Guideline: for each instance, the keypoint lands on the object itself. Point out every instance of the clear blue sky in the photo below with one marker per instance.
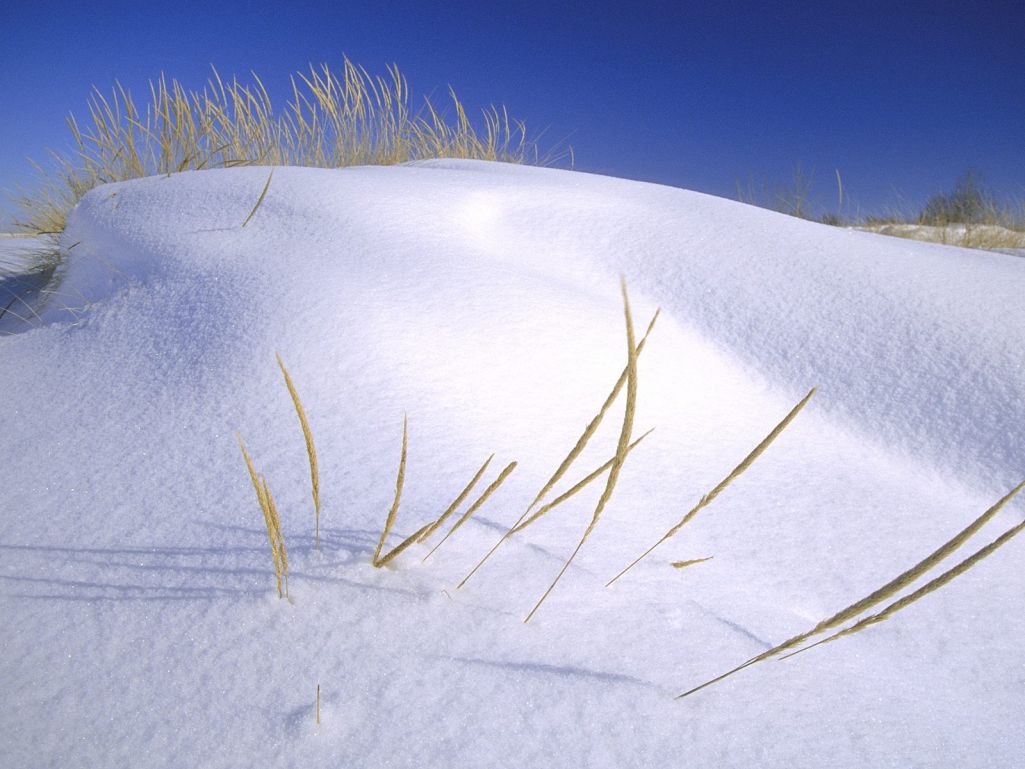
(901, 97)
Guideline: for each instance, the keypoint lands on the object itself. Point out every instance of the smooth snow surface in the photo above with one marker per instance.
(143, 627)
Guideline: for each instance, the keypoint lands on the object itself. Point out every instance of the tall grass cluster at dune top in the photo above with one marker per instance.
(333, 119)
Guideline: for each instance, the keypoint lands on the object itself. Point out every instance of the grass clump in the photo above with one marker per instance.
(334, 118)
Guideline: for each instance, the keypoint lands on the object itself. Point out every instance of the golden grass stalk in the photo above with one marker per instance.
(269, 516)
(475, 506)
(311, 451)
(927, 588)
(685, 564)
(575, 452)
(259, 201)
(432, 527)
(579, 486)
(274, 522)
(621, 448)
(399, 480)
(710, 496)
(886, 591)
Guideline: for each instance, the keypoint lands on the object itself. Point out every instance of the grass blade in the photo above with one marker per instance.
(475, 506)
(621, 448)
(260, 201)
(570, 458)
(710, 496)
(886, 591)
(311, 450)
(399, 480)
(432, 527)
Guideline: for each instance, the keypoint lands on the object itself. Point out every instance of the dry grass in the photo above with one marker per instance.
(621, 448)
(432, 527)
(271, 519)
(923, 591)
(685, 564)
(393, 512)
(570, 458)
(259, 201)
(333, 119)
(311, 451)
(737, 471)
(475, 506)
(888, 590)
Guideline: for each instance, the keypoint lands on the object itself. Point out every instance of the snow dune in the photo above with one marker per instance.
(482, 300)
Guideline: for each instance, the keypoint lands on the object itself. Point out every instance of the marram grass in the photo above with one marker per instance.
(259, 200)
(692, 562)
(491, 489)
(271, 519)
(311, 451)
(888, 590)
(393, 512)
(710, 496)
(622, 447)
(570, 458)
(434, 526)
(334, 118)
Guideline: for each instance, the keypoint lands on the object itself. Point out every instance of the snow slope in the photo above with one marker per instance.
(482, 300)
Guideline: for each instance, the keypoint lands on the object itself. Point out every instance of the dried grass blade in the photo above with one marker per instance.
(399, 480)
(311, 450)
(432, 527)
(278, 545)
(710, 496)
(621, 448)
(889, 589)
(475, 506)
(579, 486)
(685, 564)
(570, 458)
(921, 592)
(259, 202)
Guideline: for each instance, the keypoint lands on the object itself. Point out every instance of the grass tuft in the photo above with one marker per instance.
(333, 119)
(710, 496)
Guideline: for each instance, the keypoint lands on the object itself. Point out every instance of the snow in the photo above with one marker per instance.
(483, 301)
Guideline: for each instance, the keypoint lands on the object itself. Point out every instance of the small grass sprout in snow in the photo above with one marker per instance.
(890, 589)
(311, 450)
(710, 496)
(622, 448)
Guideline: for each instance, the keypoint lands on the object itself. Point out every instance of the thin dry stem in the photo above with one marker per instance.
(621, 448)
(432, 527)
(475, 506)
(262, 497)
(886, 591)
(259, 201)
(710, 496)
(400, 478)
(311, 450)
(685, 564)
(921, 592)
(575, 452)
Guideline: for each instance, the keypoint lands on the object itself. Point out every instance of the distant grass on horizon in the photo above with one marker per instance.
(334, 119)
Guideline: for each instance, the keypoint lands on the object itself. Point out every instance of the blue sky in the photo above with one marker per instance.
(901, 98)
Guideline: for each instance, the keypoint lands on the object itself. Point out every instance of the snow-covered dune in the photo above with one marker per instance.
(482, 300)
